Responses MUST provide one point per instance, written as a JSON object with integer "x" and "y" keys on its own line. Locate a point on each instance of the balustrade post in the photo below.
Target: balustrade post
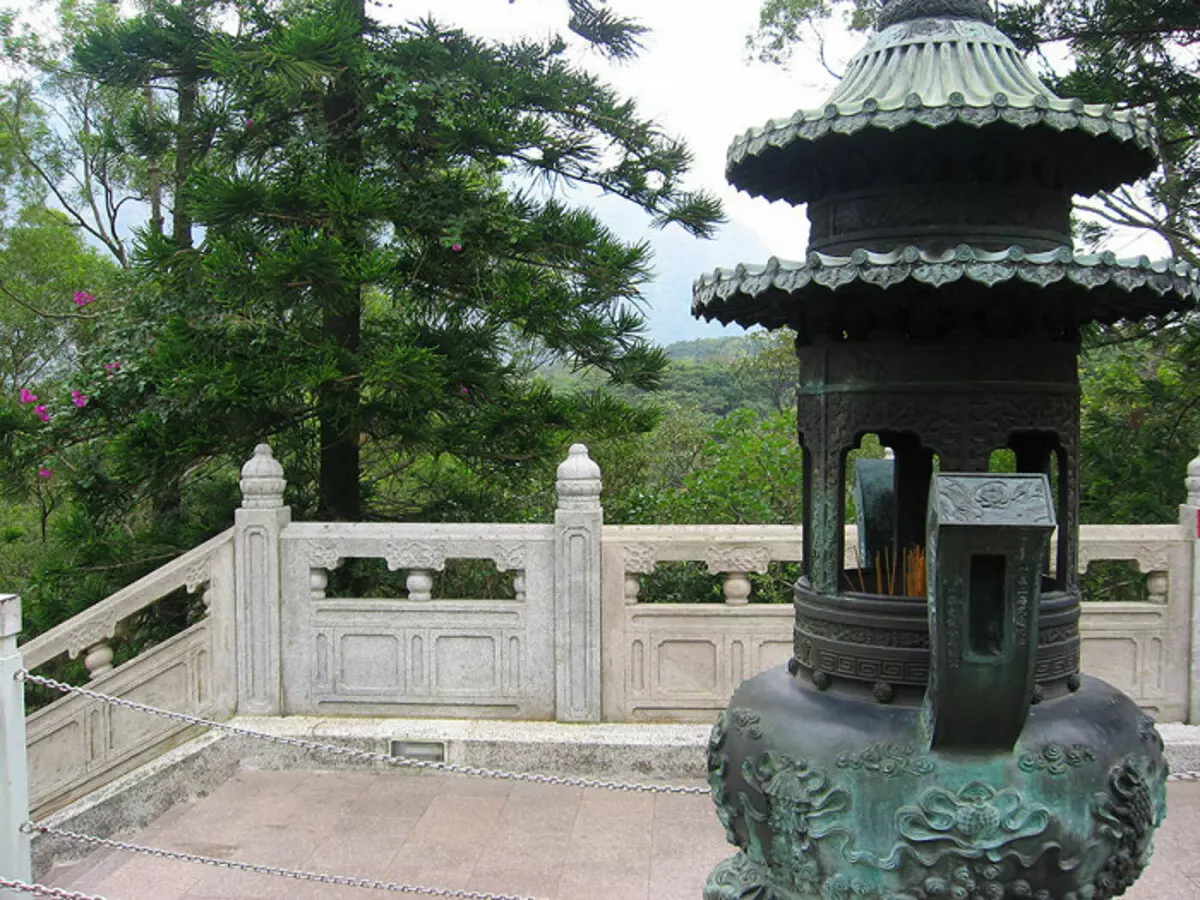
{"x": 98, "y": 659}
{"x": 1189, "y": 518}
{"x": 14, "y": 773}
{"x": 258, "y": 526}
{"x": 419, "y": 584}
{"x": 736, "y": 588}
{"x": 578, "y": 521}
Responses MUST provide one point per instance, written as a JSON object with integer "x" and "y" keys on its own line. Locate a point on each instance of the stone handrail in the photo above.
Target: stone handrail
{"x": 75, "y": 745}
{"x": 412, "y": 546}
{"x": 96, "y": 625}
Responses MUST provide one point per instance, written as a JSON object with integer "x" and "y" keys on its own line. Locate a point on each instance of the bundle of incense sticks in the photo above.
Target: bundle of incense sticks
{"x": 908, "y": 569}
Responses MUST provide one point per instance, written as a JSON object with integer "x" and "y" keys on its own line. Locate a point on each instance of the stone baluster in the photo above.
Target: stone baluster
{"x": 14, "y": 769}
{"x": 318, "y": 580}
{"x": 98, "y": 659}
{"x": 1189, "y": 518}
{"x": 578, "y": 521}
{"x": 736, "y": 587}
{"x": 419, "y": 584}
{"x": 1157, "y": 584}
{"x": 734, "y": 564}
{"x": 519, "y": 586}
{"x": 258, "y": 526}
{"x": 633, "y": 586}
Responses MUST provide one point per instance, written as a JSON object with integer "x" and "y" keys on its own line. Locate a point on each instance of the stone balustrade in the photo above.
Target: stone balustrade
{"x": 76, "y": 744}
{"x": 578, "y": 640}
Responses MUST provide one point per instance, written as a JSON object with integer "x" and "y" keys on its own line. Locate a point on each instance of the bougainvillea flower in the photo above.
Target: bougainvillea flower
{"x": 28, "y": 396}
{"x": 79, "y": 399}
{"x": 112, "y": 367}
{"x": 456, "y": 247}
{"x": 41, "y": 413}
{"x": 83, "y": 298}
{"x": 44, "y": 473}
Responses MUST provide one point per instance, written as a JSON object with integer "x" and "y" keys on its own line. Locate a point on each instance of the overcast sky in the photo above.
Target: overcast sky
{"x": 694, "y": 80}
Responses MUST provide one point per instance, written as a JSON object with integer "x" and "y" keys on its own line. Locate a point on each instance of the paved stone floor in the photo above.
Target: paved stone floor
{"x": 547, "y": 842}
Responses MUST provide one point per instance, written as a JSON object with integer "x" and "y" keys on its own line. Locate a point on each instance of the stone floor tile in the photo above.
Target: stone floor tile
{"x": 687, "y": 842}
{"x": 145, "y": 876}
{"x": 543, "y": 841}
{"x": 532, "y": 839}
{"x": 609, "y": 853}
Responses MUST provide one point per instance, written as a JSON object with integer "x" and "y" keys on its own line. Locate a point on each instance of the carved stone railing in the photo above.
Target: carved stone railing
{"x": 416, "y": 655}
{"x": 1143, "y": 648}
{"x": 577, "y": 641}
{"x": 535, "y": 656}
{"x": 681, "y": 662}
{"x": 77, "y": 744}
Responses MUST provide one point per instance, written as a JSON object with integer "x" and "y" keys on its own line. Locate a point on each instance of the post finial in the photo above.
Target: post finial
{"x": 1193, "y": 482}
{"x": 578, "y": 480}
{"x": 10, "y": 615}
{"x": 262, "y": 481}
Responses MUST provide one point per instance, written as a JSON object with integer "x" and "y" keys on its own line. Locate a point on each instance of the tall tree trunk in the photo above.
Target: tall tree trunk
{"x": 153, "y": 169}
{"x": 341, "y": 321}
{"x": 181, "y": 220}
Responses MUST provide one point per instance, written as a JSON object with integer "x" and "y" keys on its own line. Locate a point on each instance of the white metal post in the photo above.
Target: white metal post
{"x": 14, "y": 774}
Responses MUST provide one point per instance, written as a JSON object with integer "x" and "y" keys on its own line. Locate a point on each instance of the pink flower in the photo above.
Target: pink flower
{"x": 40, "y": 412}
{"x": 83, "y": 298}
{"x": 44, "y": 473}
{"x": 112, "y": 367}
{"x": 249, "y": 123}
{"x": 79, "y": 399}
{"x": 28, "y": 396}
{"x": 456, "y": 247}
{"x": 463, "y": 389}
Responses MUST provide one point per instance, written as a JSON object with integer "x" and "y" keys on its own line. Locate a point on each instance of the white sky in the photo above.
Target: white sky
{"x": 694, "y": 80}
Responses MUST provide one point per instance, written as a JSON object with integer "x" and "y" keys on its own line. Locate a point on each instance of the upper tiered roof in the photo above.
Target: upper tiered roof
{"x": 938, "y": 180}
{"x": 941, "y": 63}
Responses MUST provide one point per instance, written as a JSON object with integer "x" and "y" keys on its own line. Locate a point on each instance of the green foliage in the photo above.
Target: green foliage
{"x": 747, "y": 471}
{"x": 1141, "y": 419}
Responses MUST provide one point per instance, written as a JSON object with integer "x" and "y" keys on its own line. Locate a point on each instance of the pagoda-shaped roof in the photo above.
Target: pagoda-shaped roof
{"x": 937, "y": 71}
{"x": 866, "y": 291}
{"x": 938, "y": 178}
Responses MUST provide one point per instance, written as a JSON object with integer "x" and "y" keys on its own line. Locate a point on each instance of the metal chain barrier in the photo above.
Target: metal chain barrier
{"x": 365, "y": 755}
{"x": 299, "y": 875}
{"x": 42, "y": 890}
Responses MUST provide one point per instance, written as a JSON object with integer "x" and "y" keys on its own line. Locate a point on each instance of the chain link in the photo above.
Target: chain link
{"x": 366, "y": 755}
{"x": 370, "y": 756}
{"x": 42, "y": 890}
{"x": 278, "y": 871}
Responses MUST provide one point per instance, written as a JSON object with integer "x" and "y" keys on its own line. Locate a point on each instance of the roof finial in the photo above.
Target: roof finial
{"x": 906, "y": 10}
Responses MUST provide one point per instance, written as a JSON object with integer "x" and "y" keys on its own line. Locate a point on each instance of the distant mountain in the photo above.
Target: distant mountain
{"x": 719, "y": 349}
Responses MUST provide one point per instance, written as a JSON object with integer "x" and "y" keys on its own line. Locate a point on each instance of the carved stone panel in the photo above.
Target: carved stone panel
{"x": 415, "y": 555}
{"x": 737, "y": 559}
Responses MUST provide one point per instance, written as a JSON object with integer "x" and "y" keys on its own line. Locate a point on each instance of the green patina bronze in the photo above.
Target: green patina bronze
{"x": 932, "y": 737}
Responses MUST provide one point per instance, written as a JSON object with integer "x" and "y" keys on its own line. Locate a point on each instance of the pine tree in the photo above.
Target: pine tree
{"x": 383, "y": 234}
